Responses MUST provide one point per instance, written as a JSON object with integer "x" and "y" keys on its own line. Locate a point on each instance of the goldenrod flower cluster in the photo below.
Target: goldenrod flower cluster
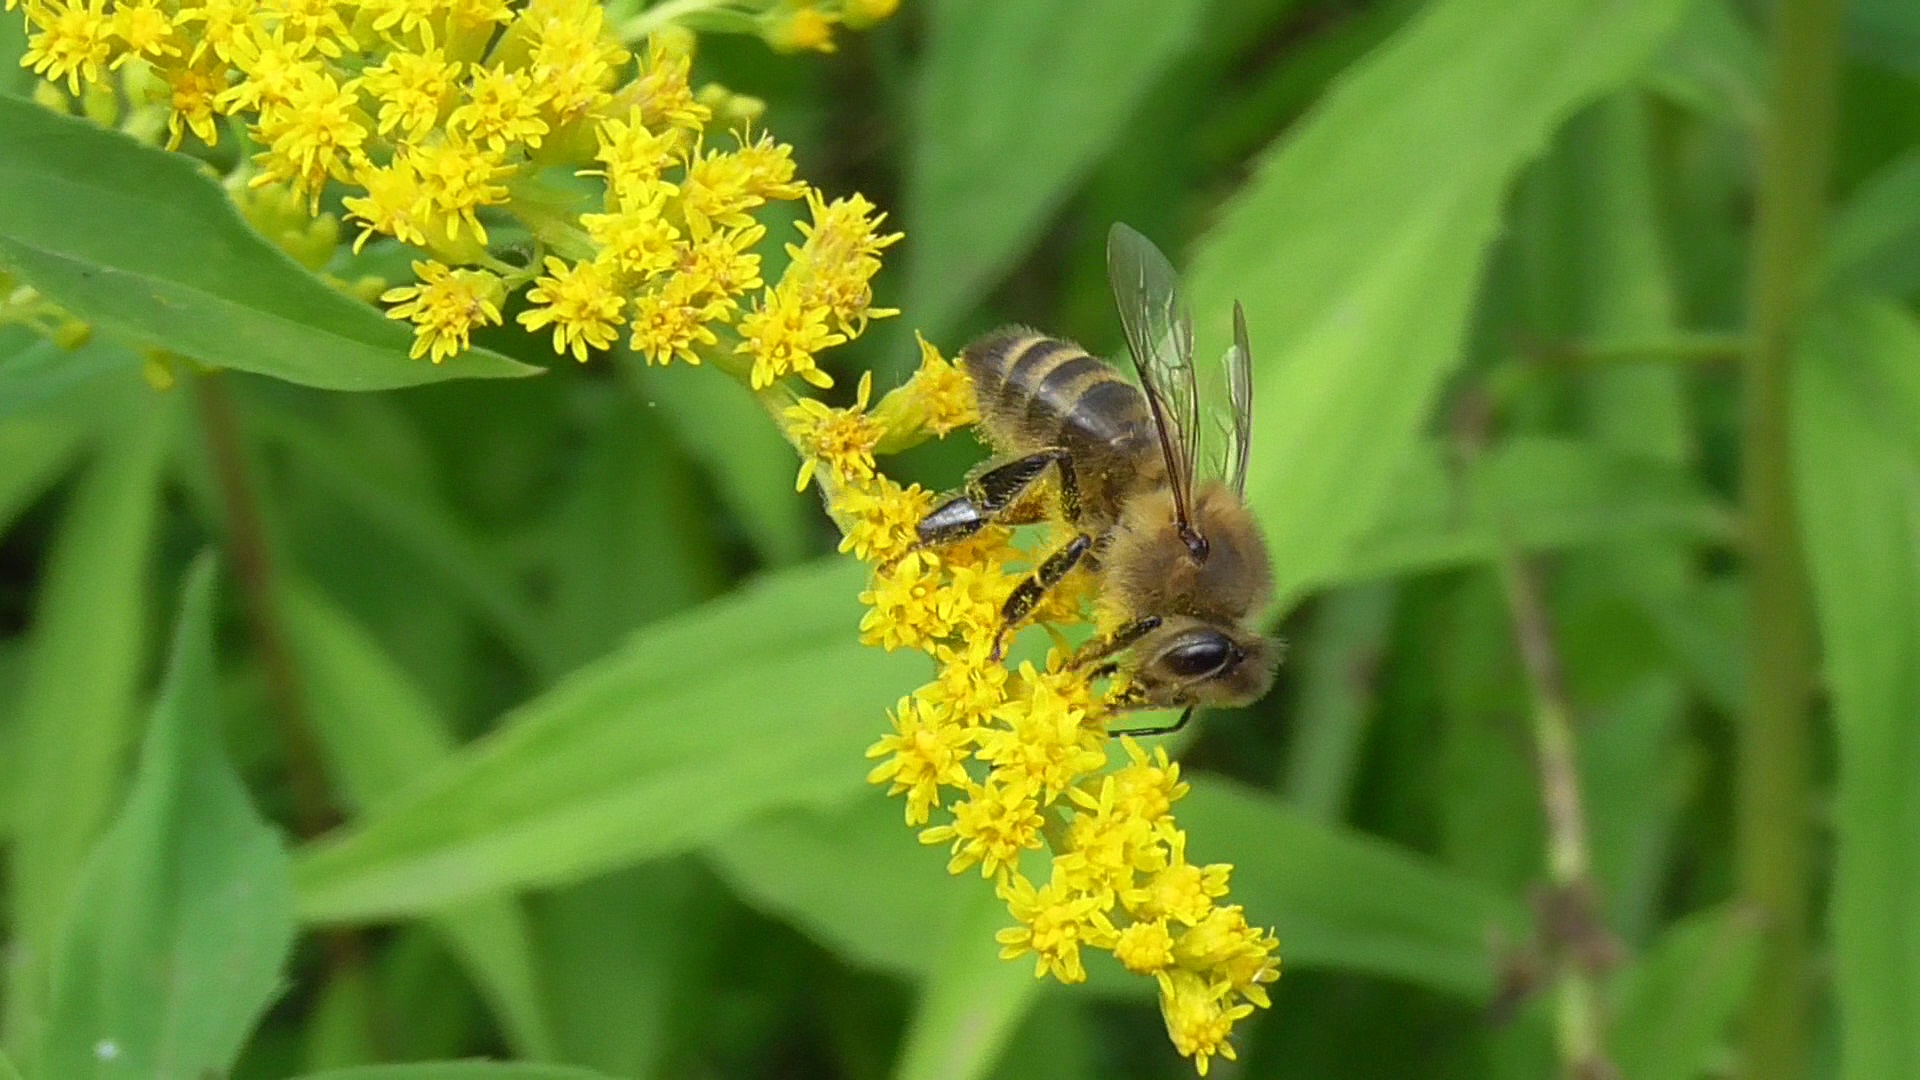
{"x": 515, "y": 146}
{"x": 997, "y": 762}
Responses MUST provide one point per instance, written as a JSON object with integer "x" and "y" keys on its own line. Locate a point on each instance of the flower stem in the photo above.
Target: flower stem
{"x": 1773, "y": 802}
{"x": 248, "y": 550}
{"x": 663, "y": 14}
{"x": 1577, "y": 946}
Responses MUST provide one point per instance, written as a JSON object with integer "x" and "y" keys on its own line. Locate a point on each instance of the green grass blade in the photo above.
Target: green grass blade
{"x": 179, "y": 927}
{"x": 378, "y": 731}
{"x": 1856, "y": 392}
{"x": 1358, "y": 306}
{"x": 458, "y": 1070}
{"x": 973, "y": 1001}
{"x": 753, "y": 702}
{"x": 76, "y": 718}
{"x": 1676, "y": 1003}
{"x": 142, "y": 243}
{"x": 1017, "y": 100}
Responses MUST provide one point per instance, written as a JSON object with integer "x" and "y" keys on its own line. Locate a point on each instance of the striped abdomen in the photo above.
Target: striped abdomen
{"x": 1035, "y": 391}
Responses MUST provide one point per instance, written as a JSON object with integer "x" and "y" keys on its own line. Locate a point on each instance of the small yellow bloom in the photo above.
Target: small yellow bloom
{"x": 662, "y": 93}
{"x": 311, "y": 137}
{"x": 802, "y": 27}
{"x": 145, "y": 30}
{"x": 970, "y": 687}
{"x": 1145, "y": 948}
{"x": 991, "y": 827}
{"x": 638, "y": 239}
{"x": 69, "y": 41}
{"x": 501, "y": 109}
{"x": 1055, "y": 920}
{"x": 459, "y": 178}
{"x": 782, "y": 334}
{"x": 881, "y": 519}
{"x": 938, "y": 398}
{"x": 923, "y": 754}
{"x": 633, "y": 157}
{"x": 1051, "y": 736}
{"x": 1199, "y": 1017}
{"x": 445, "y": 306}
{"x": 671, "y": 320}
{"x": 1181, "y": 892}
{"x": 395, "y": 203}
{"x": 580, "y": 302}
{"x": 840, "y": 439}
{"x": 905, "y": 605}
{"x": 413, "y": 89}
{"x": 722, "y": 264}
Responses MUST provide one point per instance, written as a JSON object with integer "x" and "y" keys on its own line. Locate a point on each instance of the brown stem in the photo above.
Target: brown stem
{"x": 1578, "y": 950}
{"x": 247, "y": 549}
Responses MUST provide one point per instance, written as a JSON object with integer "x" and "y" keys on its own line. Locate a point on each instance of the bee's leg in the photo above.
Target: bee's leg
{"x": 1186, "y": 714}
{"x": 1100, "y": 648}
{"x": 993, "y": 492}
{"x": 1028, "y": 594}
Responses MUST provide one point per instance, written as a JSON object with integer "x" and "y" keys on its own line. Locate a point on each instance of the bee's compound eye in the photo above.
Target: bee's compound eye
{"x": 1202, "y": 654}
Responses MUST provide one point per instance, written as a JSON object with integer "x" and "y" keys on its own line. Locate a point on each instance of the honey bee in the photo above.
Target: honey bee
{"x": 1179, "y": 558}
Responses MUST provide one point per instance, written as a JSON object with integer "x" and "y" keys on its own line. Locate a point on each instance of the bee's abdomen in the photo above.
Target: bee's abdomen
{"x": 1037, "y": 390}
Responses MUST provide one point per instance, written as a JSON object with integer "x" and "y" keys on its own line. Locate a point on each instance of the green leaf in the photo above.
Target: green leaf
{"x": 7, "y": 1069}
{"x": 973, "y": 1000}
{"x": 856, "y": 879}
{"x": 378, "y": 731}
{"x": 37, "y": 450}
{"x": 459, "y": 1070}
{"x": 179, "y": 927}
{"x": 140, "y": 242}
{"x": 757, "y": 701}
{"x": 721, "y": 425}
{"x": 1674, "y": 1005}
{"x": 1358, "y": 306}
{"x": 1017, "y": 100}
{"x": 1857, "y": 471}
{"x": 87, "y": 660}
{"x": 1534, "y": 493}
{"x": 1872, "y": 245}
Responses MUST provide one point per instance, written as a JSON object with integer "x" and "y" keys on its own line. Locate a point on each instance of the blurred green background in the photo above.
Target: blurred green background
{"x": 549, "y": 745}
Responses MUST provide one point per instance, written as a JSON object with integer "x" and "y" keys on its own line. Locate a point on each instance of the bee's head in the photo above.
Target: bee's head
{"x": 1191, "y": 661}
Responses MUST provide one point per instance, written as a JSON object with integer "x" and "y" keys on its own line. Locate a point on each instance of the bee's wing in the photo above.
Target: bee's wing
{"x": 1160, "y": 336}
{"x": 1238, "y": 418}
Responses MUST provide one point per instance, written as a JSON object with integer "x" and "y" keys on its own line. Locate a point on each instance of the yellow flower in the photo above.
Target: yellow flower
{"x": 413, "y": 89}
{"x": 840, "y": 439}
{"x": 395, "y": 203}
{"x": 633, "y": 157}
{"x": 880, "y": 518}
{"x": 970, "y": 688}
{"x": 637, "y": 239}
{"x": 1055, "y": 921}
{"x": 662, "y": 94}
{"x": 580, "y": 302}
{"x": 445, "y": 306}
{"x": 1145, "y": 948}
{"x": 722, "y": 264}
{"x": 459, "y": 178}
{"x": 192, "y": 90}
{"x": 923, "y": 755}
{"x": 834, "y": 267}
{"x": 571, "y": 63}
{"x": 1051, "y": 738}
{"x": 904, "y": 605}
{"x": 501, "y": 110}
{"x": 1198, "y": 1017}
{"x": 801, "y": 27}
{"x": 671, "y": 321}
{"x": 223, "y": 23}
{"x": 991, "y": 827}
{"x": 720, "y": 187}
{"x": 69, "y": 41}
{"x": 312, "y": 136}
{"x": 1181, "y": 892}
{"x": 782, "y": 334}
{"x": 938, "y": 398}
{"x": 145, "y": 30}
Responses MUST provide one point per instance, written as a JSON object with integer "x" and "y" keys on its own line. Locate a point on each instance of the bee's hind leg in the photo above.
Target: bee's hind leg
{"x": 1027, "y": 595}
{"x": 991, "y": 494}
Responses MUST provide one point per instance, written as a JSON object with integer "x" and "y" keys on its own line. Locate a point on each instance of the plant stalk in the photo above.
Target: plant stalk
{"x": 1578, "y": 948}
{"x": 1773, "y": 807}
{"x": 248, "y": 550}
